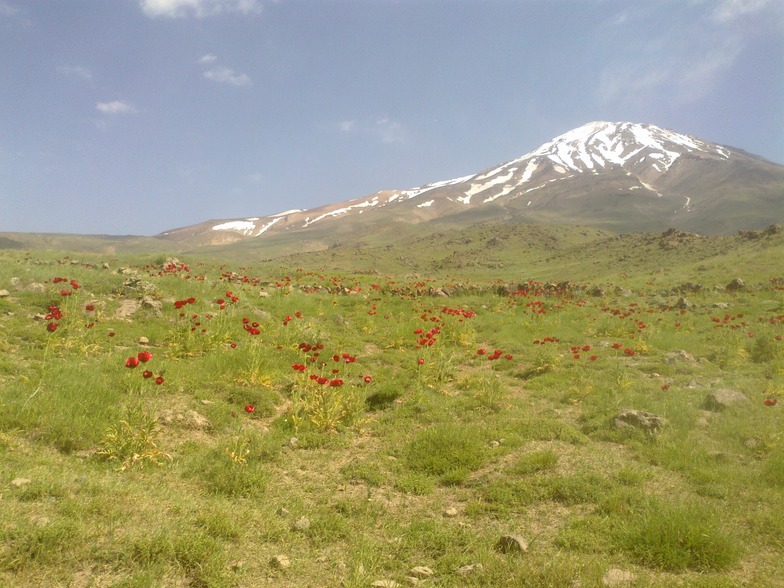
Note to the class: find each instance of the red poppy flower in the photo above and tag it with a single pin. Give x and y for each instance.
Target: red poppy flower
(421, 361)
(89, 307)
(665, 387)
(481, 351)
(52, 327)
(249, 408)
(367, 379)
(159, 380)
(771, 402)
(144, 356)
(616, 345)
(131, 362)
(147, 374)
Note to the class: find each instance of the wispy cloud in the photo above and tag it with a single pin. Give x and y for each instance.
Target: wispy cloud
(115, 107)
(207, 59)
(7, 9)
(75, 71)
(224, 75)
(382, 128)
(730, 10)
(197, 8)
(682, 64)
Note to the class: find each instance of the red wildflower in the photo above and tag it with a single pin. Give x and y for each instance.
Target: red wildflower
(616, 345)
(367, 379)
(593, 358)
(89, 307)
(481, 351)
(144, 356)
(665, 387)
(52, 327)
(131, 362)
(771, 402)
(159, 380)
(147, 374)
(421, 361)
(249, 408)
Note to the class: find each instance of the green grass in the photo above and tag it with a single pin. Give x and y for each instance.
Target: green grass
(200, 480)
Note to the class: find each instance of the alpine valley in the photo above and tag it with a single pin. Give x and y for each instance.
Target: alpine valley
(622, 177)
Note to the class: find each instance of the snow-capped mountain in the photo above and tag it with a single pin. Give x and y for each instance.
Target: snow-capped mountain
(622, 175)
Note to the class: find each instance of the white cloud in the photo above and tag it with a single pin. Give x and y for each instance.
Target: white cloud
(729, 10)
(224, 75)
(197, 8)
(75, 70)
(115, 107)
(383, 128)
(207, 59)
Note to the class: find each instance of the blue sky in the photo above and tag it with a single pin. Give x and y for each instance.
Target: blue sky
(138, 116)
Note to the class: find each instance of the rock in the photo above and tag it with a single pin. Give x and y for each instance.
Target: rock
(302, 524)
(4, 293)
(721, 305)
(385, 584)
(469, 569)
(617, 578)
(450, 512)
(638, 419)
(673, 357)
(512, 544)
(683, 303)
(19, 482)
(144, 341)
(719, 400)
(293, 442)
(420, 572)
(281, 562)
(15, 282)
(596, 291)
(127, 309)
(735, 285)
(36, 287)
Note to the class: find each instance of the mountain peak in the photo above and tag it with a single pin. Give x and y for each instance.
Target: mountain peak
(619, 175)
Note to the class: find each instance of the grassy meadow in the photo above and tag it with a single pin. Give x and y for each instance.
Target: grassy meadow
(385, 414)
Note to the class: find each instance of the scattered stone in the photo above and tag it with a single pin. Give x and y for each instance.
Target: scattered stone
(144, 341)
(36, 287)
(469, 569)
(638, 419)
(4, 293)
(735, 285)
(721, 305)
(19, 482)
(596, 291)
(420, 572)
(293, 442)
(450, 512)
(683, 303)
(512, 544)
(302, 524)
(719, 400)
(15, 282)
(187, 420)
(616, 578)
(151, 303)
(385, 584)
(205, 402)
(494, 444)
(281, 562)
(673, 357)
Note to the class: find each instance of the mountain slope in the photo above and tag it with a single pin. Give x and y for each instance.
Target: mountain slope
(620, 176)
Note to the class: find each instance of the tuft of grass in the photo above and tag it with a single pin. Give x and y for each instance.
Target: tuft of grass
(448, 451)
(676, 538)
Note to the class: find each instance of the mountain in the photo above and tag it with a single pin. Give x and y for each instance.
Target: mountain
(619, 176)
